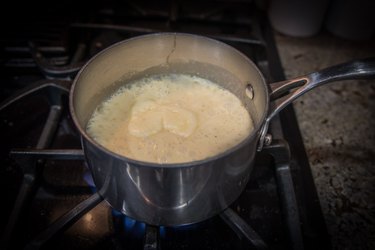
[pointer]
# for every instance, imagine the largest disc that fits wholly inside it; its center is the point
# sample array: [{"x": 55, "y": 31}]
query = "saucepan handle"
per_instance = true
[{"x": 285, "y": 92}]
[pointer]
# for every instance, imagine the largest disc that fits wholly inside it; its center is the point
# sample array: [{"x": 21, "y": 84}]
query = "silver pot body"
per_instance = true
[
  {"x": 177, "y": 194},
  {"x": 169, "y": 194}
]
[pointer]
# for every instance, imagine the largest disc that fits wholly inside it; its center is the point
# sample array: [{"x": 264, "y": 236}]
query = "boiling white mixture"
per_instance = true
[{"x": 170, "y": 119}]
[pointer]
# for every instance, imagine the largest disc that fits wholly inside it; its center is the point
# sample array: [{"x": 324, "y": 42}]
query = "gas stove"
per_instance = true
[{"x": 50, "y": 201}]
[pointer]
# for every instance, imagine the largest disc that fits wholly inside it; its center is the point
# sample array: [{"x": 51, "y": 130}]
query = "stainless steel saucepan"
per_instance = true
[{"x": 176, "y": 194}]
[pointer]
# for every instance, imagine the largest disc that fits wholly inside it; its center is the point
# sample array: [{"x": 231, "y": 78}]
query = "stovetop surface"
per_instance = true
[
  {"x": 45, "y": 52},
  {"x": 63, "y": 184}
]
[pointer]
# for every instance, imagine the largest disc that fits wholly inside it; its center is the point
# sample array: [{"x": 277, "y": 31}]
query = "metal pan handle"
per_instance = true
[{"x": 285, "y": 92}]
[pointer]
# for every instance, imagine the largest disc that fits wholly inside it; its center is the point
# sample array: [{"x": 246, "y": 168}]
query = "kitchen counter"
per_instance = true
[{"x": 337, "y": 123}]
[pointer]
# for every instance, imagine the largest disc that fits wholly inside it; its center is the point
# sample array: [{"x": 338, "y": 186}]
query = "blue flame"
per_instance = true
[
  {"x": 137, "y": 229},
  {"x": 162, "y": 231},
  {"x": 89, "y": 180},
  {"x": 186, "y": 227},
  {"x": 116, "y": 213},
  {"x": 131, "y": 226}
]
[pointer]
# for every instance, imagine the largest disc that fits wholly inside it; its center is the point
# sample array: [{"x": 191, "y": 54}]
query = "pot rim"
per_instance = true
[{"x": 84, "y": 135}]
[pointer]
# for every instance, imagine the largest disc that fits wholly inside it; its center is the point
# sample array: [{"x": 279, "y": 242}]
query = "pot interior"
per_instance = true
[{"x": 162, "y": 54}]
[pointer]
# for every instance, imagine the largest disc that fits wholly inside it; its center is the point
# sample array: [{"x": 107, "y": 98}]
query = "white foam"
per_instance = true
[{"x": 170, "y": 119}]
